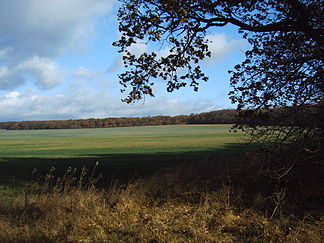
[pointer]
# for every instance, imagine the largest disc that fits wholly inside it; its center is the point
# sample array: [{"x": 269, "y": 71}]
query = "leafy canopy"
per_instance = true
[{"x": 283, "y": 67}]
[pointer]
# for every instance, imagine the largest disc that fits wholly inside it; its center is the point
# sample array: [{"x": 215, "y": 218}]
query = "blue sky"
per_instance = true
[{"x": 57, "y": 62}]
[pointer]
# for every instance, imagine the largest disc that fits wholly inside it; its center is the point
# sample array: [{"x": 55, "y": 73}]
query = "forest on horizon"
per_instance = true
[{"x": 226, "y": 116}]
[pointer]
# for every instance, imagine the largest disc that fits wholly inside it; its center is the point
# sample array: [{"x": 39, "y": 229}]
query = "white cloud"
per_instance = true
[
  {"x": 9, "y": 78},
  {"x": 4, "y": 53},
  {"x": 83, "y": 72},
  {"x": 34, "y": 32},
  {"x": 11, "y": 98},
  {"x": 220, "y": 47},
  {"x": 46, "y": 28},
  {"x": 136, "y": 49},
  {"x": 46, "y": 72},
  {"x": 84, "y": 75},
  {"x": 42, "y": 71},
  {"x": 86, "y": 103}
]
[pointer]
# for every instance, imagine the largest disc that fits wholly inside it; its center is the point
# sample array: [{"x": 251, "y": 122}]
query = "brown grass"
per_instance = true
[{"x": 190, "y": 204}]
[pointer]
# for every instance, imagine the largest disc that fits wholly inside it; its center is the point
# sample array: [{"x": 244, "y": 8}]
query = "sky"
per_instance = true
[{"x": 57, "y": 62}]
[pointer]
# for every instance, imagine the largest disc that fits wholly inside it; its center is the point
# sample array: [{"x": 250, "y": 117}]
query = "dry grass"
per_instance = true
[{"x": 169, "y": 207}]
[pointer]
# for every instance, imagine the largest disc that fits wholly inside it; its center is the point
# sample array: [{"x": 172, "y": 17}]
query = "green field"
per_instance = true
[
  {"x": 121, "y": 152},
  {"x": 95, "y": 142}
]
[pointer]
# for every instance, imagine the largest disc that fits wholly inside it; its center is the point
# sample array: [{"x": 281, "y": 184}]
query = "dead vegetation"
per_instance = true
[{"x": 194, "y": 203}]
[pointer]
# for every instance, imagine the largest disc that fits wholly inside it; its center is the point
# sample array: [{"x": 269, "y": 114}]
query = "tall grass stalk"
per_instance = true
[{"x": 185, "y": 205}]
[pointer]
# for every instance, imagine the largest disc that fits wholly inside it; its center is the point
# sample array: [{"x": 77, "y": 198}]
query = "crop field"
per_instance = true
[
  {"x": 93, "y": 142},
  {"x": 158, "y": 183},
  {"x": 121, "y": 152}
]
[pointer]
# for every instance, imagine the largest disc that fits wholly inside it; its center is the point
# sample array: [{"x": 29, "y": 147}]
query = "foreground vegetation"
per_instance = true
[
  {"x": 202, "y": 202},
  {"x": 181, "y": 184}
]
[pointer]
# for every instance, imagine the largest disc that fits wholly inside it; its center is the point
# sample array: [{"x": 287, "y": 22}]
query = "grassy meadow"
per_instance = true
[
  {"x": 190, "y": 183},
  {"x": 67, "y": 143},
  {"x": 121, "y": 152}
]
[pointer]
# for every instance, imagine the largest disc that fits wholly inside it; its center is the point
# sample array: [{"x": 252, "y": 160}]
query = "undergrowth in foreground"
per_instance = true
[{"x": 190, "y": 204}]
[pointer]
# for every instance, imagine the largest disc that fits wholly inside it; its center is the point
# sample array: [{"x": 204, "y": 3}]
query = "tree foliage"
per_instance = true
[
  {"x": 278, "y": 88},
  {"x": 283, "y": 67}
]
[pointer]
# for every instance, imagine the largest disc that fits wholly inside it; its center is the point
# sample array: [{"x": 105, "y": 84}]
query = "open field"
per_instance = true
[
  {"x": 93, "y": 142},
  {"x": 121, "y": 152},
  {"x": 160, "y": 184}
]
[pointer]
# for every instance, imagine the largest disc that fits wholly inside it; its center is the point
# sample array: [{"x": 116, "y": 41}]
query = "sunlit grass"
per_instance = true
[
  {"x": 120, "y": 151},
  {"x": 84, "y": 142}
]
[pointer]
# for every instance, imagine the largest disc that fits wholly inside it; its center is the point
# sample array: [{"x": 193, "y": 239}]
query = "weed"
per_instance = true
[{"x": 168, "y": 207}]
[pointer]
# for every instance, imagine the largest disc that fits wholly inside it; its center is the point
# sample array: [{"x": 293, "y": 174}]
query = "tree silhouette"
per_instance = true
[
  {"x": 270, "y": 26},
  {"x": 283, "y": 68}
]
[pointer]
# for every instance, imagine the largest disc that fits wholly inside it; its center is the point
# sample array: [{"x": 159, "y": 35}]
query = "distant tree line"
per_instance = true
[
  {"x": 227, "y": 116},
  {"x": 264, "y": 117}
]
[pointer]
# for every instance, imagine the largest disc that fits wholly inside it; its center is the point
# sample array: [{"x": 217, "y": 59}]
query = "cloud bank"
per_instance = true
[
  {"x": 33, "y": 33},
  {"x": 220, "y": 47},
  {"x": 87, "y": 103},
  {"x": 38, "y": 81}
]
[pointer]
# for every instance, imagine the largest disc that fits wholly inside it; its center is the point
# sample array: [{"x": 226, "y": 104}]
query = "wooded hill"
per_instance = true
[{"x": 226, "y": 116}]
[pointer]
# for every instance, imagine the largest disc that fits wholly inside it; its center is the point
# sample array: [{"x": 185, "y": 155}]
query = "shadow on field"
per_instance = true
[
  {"x": 15, "y": 172},
  {"x": 244, "y": 175}
]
